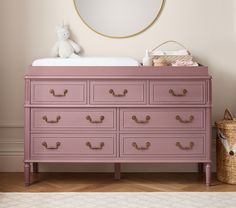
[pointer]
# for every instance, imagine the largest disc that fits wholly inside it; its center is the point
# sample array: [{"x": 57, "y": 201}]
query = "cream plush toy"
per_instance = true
[{"x": 64, "y": 47}]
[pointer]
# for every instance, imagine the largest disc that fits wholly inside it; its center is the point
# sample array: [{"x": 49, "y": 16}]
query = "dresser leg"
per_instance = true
[
  {"x": 117, "y": 171},
  {"x": 200, "y": 167},
  {"x": 35, "y": 167},
  {"x": 27, "y": 174},
  {"x": 208, "y": 174}
]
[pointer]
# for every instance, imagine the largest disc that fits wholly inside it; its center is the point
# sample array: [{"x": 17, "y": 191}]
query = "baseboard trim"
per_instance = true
[
  {"x": 11, "y": 147},
  {"x": 11, "y": 125}
]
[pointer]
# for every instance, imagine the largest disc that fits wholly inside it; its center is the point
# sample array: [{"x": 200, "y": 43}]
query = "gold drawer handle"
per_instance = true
[
  {"x": 58, "y": 144},
  {"x": 191, "y": 118},
  {"x": 58, "y": 95},
  {"x": 111, "y": 91},
  {"x": 102, "y": 144},
  {"x": 172, "y": 92},
  {"x": 95, "y": 122},
  {"x": 191, "y": 145},
  {"x": 135, "y": 145},
  {"x": 148, "y": 118},
  {"x": 45, "y": 118}
]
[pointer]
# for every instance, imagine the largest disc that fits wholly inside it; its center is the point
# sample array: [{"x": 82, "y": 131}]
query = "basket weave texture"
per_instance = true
[
  {"x": 170, "y": 59},
  {"x": 226, "y": 159}
]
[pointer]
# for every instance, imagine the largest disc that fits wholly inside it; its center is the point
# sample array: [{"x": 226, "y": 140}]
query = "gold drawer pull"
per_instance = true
[
  {"x": 111, "y": 91},
  {"x": 102, "y": 144},
  {"x": 45, "y": 118},
  {"x": 135, "y": 145},
  {"x": 58, "y": 144},
  {"x": 95, "y": 122},
  {"x": 58, "y": 95},
  {"x": 191, "y": 145},
  {"x": 191, "y": 118},
  {"x": 172, "y": 92},
  {"x": 148, "y": 118}
]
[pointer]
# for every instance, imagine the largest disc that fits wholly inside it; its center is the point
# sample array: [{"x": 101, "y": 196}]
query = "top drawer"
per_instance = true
[
  {"x": 58, "y": 92},
  {"x": 178, "y": 92},
  {"x": 118, "y": 92}
]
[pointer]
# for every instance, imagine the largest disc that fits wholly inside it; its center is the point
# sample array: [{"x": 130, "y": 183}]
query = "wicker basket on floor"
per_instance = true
[{"x": 226, "y": 149}]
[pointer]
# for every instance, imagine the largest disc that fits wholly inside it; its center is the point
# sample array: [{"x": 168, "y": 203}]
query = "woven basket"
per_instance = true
[
  {"x": 170, "y": 59},
  {"x": 226, "y": 149}
]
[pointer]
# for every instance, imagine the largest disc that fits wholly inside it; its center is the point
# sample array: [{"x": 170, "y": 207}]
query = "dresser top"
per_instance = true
[{"x": 127, "y": 72}]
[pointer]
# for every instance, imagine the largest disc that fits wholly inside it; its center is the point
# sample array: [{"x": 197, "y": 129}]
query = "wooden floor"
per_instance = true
[{"x": 97, "y": 182}]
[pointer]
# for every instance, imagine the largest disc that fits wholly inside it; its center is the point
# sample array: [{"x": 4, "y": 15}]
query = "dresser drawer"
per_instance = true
[
  {"x": 58, "y": 92},
  {"x": 118, "y": 92},
  {"x": 162, "y": 144},
  {"x": 140, "y": 119},
  {"x": 59, "y": 145},
  {"x": 73, "y": 119},
  {"x": 178, "y": 92}
]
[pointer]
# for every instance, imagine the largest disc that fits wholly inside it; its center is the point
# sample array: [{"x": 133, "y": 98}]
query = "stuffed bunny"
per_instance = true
[{"x": 64, "y": 47}]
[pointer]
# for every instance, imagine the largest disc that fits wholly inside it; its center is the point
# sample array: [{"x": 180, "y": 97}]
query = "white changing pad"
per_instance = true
[{"x": 87, "y": 61}]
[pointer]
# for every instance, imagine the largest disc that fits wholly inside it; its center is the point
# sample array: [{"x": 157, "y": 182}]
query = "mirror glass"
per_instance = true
[{"x": 119, "y": 18}]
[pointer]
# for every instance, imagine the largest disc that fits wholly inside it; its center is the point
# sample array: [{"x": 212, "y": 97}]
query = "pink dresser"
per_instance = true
[{"x": 117, "y": 115}]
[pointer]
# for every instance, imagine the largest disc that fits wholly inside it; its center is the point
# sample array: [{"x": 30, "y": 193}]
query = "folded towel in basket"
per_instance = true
[{"x": 185, "y": 63}]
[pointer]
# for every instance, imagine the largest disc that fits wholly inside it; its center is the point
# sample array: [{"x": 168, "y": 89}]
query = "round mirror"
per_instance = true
[{"x": 119, "y": 18}]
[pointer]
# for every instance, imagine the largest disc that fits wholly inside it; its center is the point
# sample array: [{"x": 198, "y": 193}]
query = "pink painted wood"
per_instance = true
[
  {"x": 109, "y": 114},
  {"x": 117, "y": 169},
  {"x": 58, "y": 92},
  {"x": 118, "y": 92},
  {"x": 73, "y": 119},
  {"x": 63, "y": 146},
  {"x": 178, "y": 92},
  {"x": 154, "y": 145},
  {"x": 162, "y": 119},
  {"x": 116, "y": 72}
]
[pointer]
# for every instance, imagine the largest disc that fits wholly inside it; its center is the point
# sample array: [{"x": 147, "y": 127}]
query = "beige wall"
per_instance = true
[{"x": 207, "y": 28}]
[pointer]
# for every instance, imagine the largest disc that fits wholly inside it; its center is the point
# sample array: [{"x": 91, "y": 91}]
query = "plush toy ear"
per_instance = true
[{"x": 63, "y": 25}]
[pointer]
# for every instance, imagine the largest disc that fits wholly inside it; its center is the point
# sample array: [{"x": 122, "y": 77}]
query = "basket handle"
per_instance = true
[
  {"x": 228, "y": 115},
  {"x": 171, "y": 41}
]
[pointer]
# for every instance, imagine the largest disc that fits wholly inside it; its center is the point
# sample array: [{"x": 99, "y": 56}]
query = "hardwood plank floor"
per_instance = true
[{"x": 104, "y": 182}]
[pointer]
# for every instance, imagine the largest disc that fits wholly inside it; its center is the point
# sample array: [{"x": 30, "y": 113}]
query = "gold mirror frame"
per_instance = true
[{"x": 121, "y": 37}]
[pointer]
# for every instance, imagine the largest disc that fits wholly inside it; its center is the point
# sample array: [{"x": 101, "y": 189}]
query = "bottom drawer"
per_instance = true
[
  {"x": 59, "y": 145},
  {"x": 157, "y": 145}
]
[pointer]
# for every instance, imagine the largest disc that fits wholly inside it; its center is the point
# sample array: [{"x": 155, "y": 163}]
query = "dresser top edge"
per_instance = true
[{"x": 103, "y": 72}]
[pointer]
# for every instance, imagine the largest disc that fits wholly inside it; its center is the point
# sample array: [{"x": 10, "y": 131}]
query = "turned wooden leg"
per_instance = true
[
  {"x": 35, "y": 168},
  {"x": 27, "y": 174},
  {"x": 208, "y": 174},
  {"x": 117, "y": 171},
  {"x": 200, "y": 167}
]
